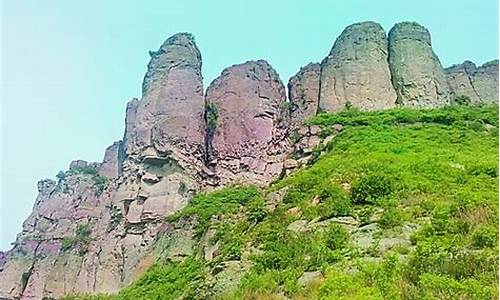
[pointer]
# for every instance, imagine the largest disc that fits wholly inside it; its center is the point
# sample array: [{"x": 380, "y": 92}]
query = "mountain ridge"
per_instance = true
[{"x": 95, "y": 229}]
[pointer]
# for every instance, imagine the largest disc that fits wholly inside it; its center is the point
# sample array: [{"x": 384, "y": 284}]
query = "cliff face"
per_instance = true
[
  {"x": 357, "y": 70},
  {"x": 97, "y": 227},
  {"x": 479, "y": 84},
  {"x": 417, "y": 74}
]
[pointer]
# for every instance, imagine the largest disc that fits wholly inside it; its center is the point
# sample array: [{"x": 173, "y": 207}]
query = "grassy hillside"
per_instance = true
[{"x": 404, "y": 205}]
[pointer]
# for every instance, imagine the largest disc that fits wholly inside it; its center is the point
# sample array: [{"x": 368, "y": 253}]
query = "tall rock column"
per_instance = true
[
  {"x": 169, "y": 117},
  {"x": 246, "y": 119},
  {"x": 417, "y": 74},
  {"x": 357, "y": 71}
]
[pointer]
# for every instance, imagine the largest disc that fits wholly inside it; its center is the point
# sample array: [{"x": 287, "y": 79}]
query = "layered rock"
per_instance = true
[
  {"x": 249, "y": 139},
  {"x": 357, "y": 71},
  {"x": 303, "y": 92},
  {"x": 417, "y": 74}
]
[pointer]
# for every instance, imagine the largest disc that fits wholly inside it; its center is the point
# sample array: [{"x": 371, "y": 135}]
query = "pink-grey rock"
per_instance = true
[
  {"x": 303, "y": 92},
  {"x": 169, "y": 117},
  {"x": 249, "y": 139},
  {"x": 111, "y": 166},
  {"x": 417, "y": 74},
  {"x": 356, "y": 72}
]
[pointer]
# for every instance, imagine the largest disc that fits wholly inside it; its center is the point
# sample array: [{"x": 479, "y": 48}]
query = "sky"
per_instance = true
[{"x": 69, "y": 67}]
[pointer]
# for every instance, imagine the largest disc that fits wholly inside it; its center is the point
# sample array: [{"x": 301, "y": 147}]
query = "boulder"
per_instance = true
[
  {"x": 356, "y": 72},
  {"x": 417, "y": 74},
  {"x": 303, "y": 92}
]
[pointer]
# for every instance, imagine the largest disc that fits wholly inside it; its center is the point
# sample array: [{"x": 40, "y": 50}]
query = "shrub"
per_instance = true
[
  {"x": 60, "y": 175},
  {"x": 334, "y": 202},
  {"x": 211, "y": 115},
  {"x": 484, "y": 237},
  {"x": 371, "y": 187},
  {"x": 462, "y": 100},
  {"x": 81, "y": 239},
  {"x": 392, "y": 217},
  {"x": 224, "y": 201},
  {"x": 256, "y": 211},
  {"x": 336, "y": 237}
]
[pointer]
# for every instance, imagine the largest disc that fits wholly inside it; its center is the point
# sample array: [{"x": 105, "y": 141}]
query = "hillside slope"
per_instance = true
[{"x": 402, "y": 204}]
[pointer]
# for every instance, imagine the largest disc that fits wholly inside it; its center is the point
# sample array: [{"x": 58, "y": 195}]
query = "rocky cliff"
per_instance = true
[
  {"x": 357, "y": 70},
  {"x": 97, "y": 227}
]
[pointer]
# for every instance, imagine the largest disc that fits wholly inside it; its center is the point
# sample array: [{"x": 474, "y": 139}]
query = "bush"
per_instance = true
[
  {"x": 392, "y": 217},
  {"x": 334, "y": 202},
  {"x": 256, "y": 211},
  {"x": 370, "y": 188},
  {"x": 81, "y": 240},
  {"x": 211, "y": 115},
  {"x": 337, "y": 237},
  {"x": 462, "y": 100},
  {"x": 484, "y": 237}
]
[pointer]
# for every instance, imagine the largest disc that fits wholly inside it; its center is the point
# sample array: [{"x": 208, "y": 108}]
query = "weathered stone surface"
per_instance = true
[
  {"x": 249, "y": 139},
  {"x": 479, "y": 84},
  {"x": 417, "y": 74},
  {"x": 309, "y": 277},
  {"x": 303, "y": 92},
  {"x": 111, "y": 166},
  {"x": 356, "y": 71},
  {"x": 485, "y": 82},
  {"x": 460, "y": 80},
  {"x": 169, "y": 117}
]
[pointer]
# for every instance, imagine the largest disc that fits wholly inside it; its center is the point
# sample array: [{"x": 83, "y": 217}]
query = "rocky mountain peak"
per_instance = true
[
  {"x": 417, "y": 74},
  {"x": 356, "y": 72},
  {"x": 96, "y": 228},
  {"x": 248, "y": 139}
]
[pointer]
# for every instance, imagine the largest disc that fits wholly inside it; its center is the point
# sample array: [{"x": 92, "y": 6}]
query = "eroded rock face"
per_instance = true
[
  {"x": 357, "y": 71},
  {"x": 168, "y": 120},
  {"x": 101, "y": 225},
  {"x": 249, "y": 135},
  {"x": 303, "y": 92},
  {"x": 479, "y": 84},
  {"x": 485, "y": 82},
  {"x": 460, "y": 80},
  {"x": 417, "y": 74}
]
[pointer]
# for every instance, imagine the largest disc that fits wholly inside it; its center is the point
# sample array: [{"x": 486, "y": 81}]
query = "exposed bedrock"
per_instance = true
[
  {"x": 356, "y": 72},
  {"x": 249, "y": 123},
  {"x": 417, "y": 74}
]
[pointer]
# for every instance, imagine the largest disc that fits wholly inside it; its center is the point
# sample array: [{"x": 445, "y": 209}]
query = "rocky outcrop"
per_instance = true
[
  {"x": 101, "y": 225},
  {"x": 356, "y": 71},
  {"x": 168, "y": 120},
  {"x": 485, "y": 82},
  {"x": 303, "y": 92},
  {"x": 460, "y": 80},
  {"x": 248, "y": 120},
  {"x": 417, "y": 74},
  {"x": 478, "y": 84}
]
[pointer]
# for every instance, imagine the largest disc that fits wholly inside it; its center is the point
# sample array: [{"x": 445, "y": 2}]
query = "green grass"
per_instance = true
[{"x": 436, "y": 168}]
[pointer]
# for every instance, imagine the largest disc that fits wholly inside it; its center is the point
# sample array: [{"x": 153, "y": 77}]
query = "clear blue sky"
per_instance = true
[{"x": 69, "y": 67}]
